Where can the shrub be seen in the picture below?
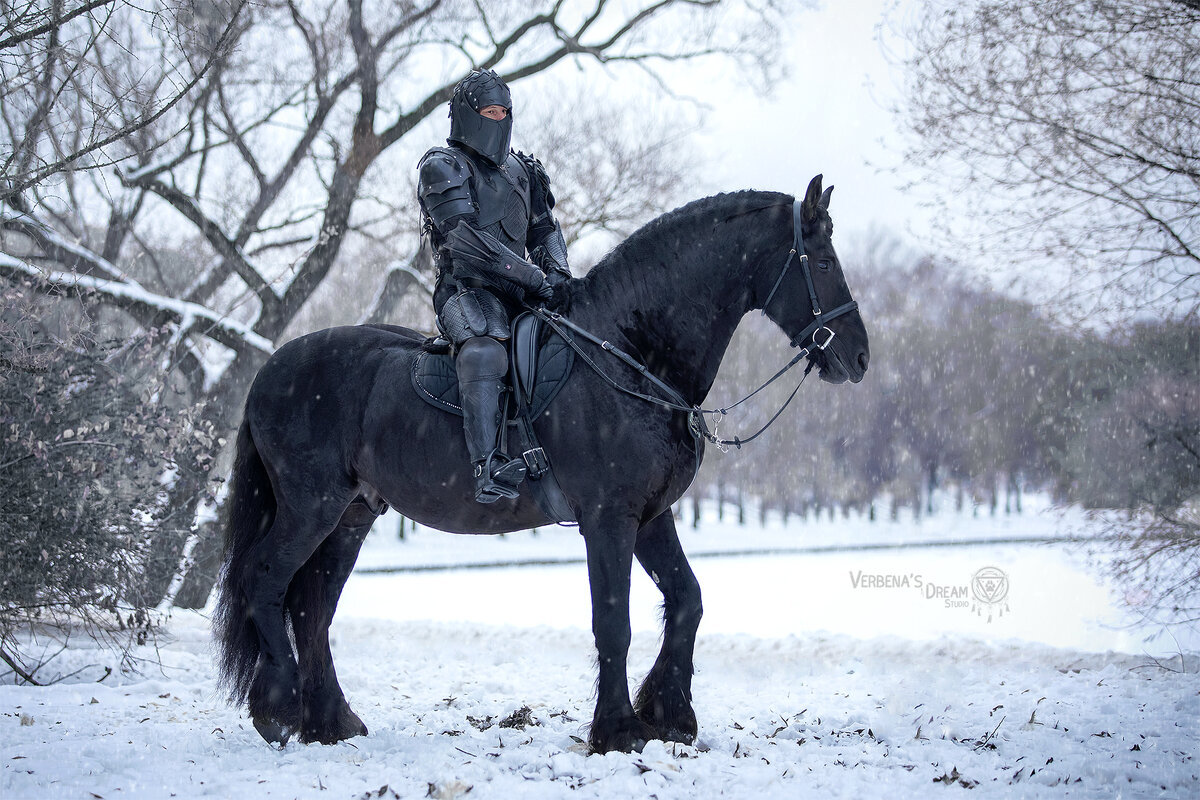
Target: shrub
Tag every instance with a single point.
(86, 454)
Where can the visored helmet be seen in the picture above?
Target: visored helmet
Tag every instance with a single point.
(488, 137)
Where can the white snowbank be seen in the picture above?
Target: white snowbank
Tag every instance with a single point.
(907, 698)
(797, 716)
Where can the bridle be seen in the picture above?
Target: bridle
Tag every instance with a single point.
(819, 318)
(676, 402)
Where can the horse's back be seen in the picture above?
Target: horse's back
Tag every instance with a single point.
(312, 391)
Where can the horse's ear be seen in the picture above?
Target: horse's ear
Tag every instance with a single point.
(824, 201)
(812, 197)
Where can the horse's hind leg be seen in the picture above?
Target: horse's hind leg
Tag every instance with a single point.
(664, 702)
(311, 601)
(274, 698)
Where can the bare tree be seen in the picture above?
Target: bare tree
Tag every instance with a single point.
(79, 81)
(231, 209)
(1068, 133)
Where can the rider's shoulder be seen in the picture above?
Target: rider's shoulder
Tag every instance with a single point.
(443, 165)
(533, 166)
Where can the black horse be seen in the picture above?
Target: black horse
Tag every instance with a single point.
(332, 425)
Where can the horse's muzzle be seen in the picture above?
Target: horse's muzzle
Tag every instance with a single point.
(833, 368)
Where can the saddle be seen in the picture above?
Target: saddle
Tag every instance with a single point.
(539, 366)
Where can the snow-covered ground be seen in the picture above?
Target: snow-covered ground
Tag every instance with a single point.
(828, 674)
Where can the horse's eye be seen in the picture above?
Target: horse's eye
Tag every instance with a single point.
(824, 265)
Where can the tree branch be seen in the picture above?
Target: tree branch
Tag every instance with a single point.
(20, 185)
(234, 335)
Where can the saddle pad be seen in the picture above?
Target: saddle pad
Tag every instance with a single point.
(436, 381)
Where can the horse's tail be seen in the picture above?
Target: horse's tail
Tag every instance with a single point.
(249, 513)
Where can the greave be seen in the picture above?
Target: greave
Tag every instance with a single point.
(481, 415)
(481, 362)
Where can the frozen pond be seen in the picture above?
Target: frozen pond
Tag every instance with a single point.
(1044, 593)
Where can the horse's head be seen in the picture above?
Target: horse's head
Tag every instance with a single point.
(809, 297)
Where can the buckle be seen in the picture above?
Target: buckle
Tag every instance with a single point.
(822, 345)
(535, 461)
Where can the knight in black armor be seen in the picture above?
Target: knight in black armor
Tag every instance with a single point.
(484, 207)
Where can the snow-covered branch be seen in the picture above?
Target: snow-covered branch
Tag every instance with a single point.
(400, 278)
(58, 248)
(231, 333)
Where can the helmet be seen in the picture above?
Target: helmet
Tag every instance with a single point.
(487, 137)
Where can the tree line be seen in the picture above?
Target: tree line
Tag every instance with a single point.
(970, 392)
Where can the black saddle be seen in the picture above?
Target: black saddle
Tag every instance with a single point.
(537, 369)
(539, 366)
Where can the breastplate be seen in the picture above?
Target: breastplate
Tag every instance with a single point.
(503, 199)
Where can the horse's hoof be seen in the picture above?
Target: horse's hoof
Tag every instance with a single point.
(676, 735)
(347, 727)
(634, 744)
(682, 730)
(671, 722)
(272, 731)
(626, 737)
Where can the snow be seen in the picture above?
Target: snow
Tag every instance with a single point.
(189, 313)
(55, 239)
(807, 684)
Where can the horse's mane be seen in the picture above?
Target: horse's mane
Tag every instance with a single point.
(706, 210)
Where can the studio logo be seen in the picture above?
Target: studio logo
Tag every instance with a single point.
(989, 588)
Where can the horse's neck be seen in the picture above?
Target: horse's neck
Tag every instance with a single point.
(679, 314)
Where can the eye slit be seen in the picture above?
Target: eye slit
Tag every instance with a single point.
(824, 265)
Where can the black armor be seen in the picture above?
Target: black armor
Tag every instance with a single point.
(483, 208)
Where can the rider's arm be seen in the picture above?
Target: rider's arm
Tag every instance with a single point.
(545, 243)
(444, 191)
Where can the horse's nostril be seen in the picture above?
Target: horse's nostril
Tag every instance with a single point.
(863, 358)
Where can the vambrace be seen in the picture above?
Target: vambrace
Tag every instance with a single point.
(480, 255)
(550, 253)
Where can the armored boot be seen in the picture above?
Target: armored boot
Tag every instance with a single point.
(479, 387)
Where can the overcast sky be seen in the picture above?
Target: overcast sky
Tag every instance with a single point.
(827, 117)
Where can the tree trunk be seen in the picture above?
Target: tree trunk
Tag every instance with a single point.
(932, 483)
(225, 412)
(205, 565)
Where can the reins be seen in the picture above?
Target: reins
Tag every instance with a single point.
(675, 401)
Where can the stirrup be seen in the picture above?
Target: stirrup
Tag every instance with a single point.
(493, 483)
(509, 473)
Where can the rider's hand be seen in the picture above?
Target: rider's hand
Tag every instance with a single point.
(545, 291)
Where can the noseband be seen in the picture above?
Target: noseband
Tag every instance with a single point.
(798, 255)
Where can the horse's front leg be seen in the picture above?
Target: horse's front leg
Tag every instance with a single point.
(665, 699)
(610, 560)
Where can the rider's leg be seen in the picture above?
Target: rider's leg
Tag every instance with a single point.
(482, 363)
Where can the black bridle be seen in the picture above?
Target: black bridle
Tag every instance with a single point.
(798, 254)
(675, 401)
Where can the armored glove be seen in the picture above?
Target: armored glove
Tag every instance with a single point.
(479, 255)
